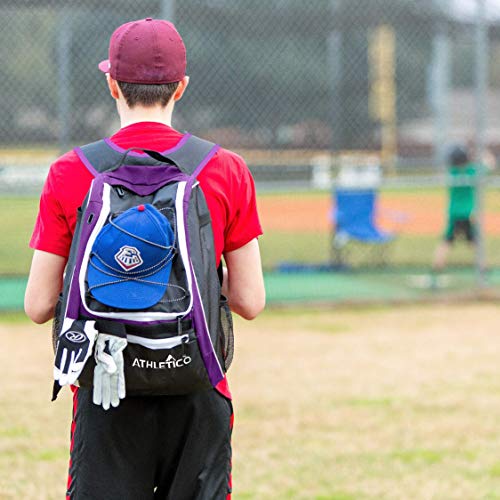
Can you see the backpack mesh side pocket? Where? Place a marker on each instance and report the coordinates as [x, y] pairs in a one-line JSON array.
[[226, 333], [56, 323]]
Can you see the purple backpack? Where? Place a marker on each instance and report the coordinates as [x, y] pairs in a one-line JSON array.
[[142, 266]]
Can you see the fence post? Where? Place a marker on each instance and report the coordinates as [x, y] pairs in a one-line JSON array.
[[64, 77], [167, 9], [439, 85], [481, 88], [334, 55]]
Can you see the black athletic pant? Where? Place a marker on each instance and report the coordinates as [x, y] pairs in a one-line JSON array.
[[162, 447]]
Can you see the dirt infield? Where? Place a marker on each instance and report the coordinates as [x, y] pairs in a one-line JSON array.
[[411, 213], [386, 403]]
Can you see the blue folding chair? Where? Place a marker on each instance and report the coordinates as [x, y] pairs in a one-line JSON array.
[[354, 222]]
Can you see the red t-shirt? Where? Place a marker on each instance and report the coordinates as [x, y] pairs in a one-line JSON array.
[[226, 182]]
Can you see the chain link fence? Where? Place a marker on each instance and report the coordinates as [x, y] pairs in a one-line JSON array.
[[368, 93]]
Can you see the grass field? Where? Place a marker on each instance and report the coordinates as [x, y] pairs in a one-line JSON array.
[[376, 403], [16, 226], [297, 227]]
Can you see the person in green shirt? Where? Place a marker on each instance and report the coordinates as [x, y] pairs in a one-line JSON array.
[[462, 200]]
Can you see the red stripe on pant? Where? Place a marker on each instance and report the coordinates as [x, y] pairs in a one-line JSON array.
[[230, 482], [73, 426]]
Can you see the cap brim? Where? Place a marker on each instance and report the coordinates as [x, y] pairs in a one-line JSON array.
[[127, 294], [104, 66]]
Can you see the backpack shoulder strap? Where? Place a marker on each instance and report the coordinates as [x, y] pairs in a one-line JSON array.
[[98, 156], [190, 154], [103, 155]]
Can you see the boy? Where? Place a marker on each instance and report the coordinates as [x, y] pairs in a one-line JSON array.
[[175, 447], [462, 194]]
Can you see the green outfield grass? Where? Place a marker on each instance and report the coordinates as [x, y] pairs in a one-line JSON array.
[[19, 215], [348, 404], [405, 251], [16, 225]]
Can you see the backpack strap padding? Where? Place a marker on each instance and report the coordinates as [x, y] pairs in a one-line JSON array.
[[191, 154], [99, 156], [96, 156]]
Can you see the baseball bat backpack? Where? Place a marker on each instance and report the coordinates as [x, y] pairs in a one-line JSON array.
[[141, 310]]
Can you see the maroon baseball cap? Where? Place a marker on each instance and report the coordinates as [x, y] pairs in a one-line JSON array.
[[148, 51]]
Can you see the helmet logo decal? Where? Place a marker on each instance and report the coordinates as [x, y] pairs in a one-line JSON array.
[[128, 258]]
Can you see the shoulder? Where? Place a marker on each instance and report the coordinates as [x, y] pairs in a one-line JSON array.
[[228, 164], [475, 168], [228, 158], [226, 176], [66, 165], [68, 181]]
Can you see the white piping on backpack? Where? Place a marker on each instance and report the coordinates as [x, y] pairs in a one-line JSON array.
[[140, 316], [73, 275], [167, 343]]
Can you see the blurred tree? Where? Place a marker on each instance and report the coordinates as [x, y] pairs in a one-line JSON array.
[[27, 74], [261, 70]]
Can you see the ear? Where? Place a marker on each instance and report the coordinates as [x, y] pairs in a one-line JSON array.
[[114, 90], [181, 88]]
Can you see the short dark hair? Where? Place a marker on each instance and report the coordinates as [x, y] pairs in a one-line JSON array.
[[147, 95]]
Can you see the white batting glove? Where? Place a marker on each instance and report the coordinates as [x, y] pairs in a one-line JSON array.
[[74, 347], [109, 376]]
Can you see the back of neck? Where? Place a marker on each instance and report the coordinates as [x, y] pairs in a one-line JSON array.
[[139, 114]]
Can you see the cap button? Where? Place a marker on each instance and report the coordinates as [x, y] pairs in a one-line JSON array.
[[149, 18], [141, 208]]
